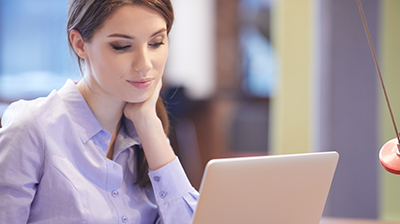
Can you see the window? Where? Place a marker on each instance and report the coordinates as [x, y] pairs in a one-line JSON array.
[[34, 53], [258, 55]]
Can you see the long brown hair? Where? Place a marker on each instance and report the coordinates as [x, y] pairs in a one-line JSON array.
[[88, 16]]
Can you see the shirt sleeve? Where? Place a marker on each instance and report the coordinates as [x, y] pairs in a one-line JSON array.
[[20, 165], [175, 196]]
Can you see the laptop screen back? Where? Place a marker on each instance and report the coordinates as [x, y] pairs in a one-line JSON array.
[[266, 189]]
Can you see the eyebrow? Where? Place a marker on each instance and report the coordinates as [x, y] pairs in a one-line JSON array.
[[120, 35], [158, 32]]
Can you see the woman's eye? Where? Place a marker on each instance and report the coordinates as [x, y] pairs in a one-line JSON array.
[[156, 45], [121, 48]]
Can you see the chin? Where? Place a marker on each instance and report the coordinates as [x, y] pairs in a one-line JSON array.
[[136, 99]]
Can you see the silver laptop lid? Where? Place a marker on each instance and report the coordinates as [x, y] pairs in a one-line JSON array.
[[266, 189]]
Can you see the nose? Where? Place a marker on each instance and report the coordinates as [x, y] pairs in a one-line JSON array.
[[142, 62]]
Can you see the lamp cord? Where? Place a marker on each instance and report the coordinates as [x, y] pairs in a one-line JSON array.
[[377, 68]]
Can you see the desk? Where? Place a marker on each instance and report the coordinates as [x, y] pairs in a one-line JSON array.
[[353, 221]]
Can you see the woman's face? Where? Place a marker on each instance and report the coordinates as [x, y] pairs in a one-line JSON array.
[[126, 57]]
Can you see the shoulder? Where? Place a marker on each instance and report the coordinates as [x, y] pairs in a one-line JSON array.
[[30, 112], [24, 130]]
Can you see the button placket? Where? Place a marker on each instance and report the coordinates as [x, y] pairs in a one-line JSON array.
[[114, 194], [124, 219], [157, 178], [163, 194]]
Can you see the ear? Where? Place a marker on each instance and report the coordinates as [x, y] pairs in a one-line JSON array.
[[78, 44]]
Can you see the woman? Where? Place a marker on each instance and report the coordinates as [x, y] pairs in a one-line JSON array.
[[96, 151]]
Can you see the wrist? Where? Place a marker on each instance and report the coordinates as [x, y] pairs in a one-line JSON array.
[[137, 114], [149, 129]]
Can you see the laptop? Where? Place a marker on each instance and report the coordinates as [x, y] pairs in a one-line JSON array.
[[278, 189]]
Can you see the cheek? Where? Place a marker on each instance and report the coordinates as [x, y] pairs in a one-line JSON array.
[[161, 59], [105, 63], [99, 59]]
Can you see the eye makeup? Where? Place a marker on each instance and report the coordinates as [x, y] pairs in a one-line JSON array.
[[120, 47]]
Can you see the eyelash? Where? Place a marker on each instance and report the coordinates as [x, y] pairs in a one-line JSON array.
[[156, 45], [121, 48], [126, 48]]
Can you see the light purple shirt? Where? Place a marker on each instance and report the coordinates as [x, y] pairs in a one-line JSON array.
[[53, 169]]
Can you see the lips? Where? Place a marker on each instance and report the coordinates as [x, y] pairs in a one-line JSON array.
[[141, 83]]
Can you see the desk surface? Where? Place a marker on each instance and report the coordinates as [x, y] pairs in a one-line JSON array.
[[353, 221]]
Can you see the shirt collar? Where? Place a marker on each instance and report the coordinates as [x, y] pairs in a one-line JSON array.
[[86, 123], [127, 137]]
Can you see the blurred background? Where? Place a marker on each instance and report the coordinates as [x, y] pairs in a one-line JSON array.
[[250, 77]]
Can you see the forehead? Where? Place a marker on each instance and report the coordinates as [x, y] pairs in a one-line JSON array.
[[133, 20]]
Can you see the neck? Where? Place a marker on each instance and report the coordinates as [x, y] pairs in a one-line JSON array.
[[107, 109]]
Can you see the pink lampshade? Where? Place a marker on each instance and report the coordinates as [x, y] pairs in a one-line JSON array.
[[390, 156]]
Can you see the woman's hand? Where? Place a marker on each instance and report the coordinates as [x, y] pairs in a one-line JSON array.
[[150, 130], [144, 110]]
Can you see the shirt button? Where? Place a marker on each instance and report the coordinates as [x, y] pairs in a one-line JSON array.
[[157, 178], [124, 219], [114, 193], [162, 194]]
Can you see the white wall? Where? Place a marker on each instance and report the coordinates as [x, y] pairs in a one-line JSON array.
[[191, 61]]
